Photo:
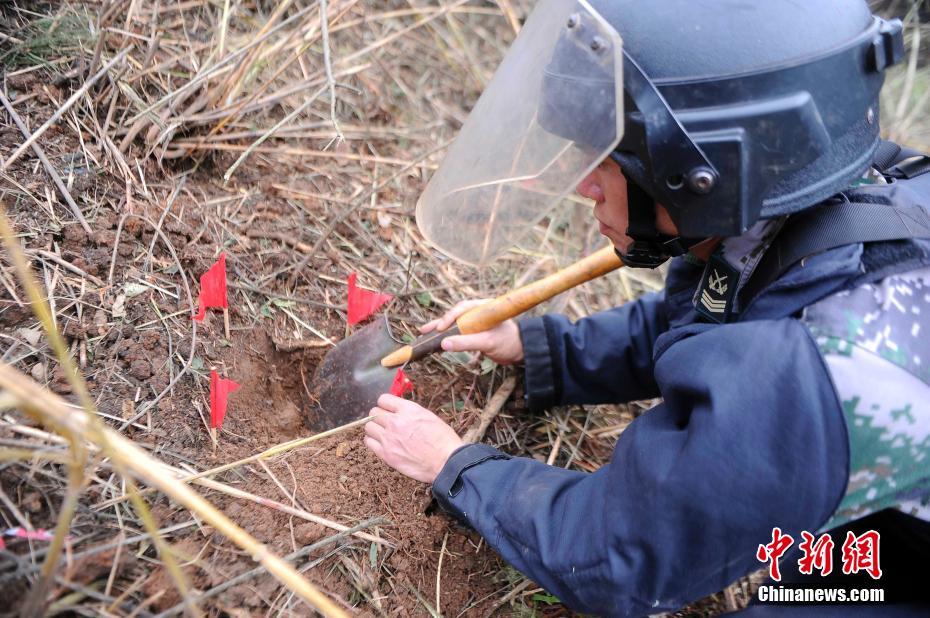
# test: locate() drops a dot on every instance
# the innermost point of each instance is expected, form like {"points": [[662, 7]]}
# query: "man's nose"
{"points": [[590, 187]]}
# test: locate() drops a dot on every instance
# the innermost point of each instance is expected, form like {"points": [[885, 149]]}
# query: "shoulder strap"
{"points": [[899, 162], [834, 225], [886, 155]]}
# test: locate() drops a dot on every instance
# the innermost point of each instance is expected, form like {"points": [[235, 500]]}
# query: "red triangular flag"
{"points": [[213, 288], [401, 385], [220, 389], [362, 303]]}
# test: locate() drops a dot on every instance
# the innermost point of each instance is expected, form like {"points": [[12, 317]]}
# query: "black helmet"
{"points": [[739, 111], [723, 112]]}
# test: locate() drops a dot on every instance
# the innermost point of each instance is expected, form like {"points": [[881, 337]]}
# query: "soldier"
{"points": [[791, 344]]}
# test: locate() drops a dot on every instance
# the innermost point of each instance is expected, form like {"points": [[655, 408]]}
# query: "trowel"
{"points": [[361, 368]]}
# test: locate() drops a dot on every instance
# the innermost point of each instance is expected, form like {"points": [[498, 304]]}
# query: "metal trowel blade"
{"points": [[350, 379]]}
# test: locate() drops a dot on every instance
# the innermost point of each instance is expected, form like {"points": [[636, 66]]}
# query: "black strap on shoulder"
{"points": [[835, 224], [886, 155], [899, 162], [830, 226]]}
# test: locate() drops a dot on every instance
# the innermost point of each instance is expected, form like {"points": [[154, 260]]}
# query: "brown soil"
{"points": [[337, 478], [127, 360]]}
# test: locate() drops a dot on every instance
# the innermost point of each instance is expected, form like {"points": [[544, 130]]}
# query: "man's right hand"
{"points": [[501, 344]]}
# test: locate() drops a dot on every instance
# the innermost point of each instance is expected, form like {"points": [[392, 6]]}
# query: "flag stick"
{"points": [[226, 323]]}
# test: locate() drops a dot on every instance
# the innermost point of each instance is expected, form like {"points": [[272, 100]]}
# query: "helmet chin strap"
{"points": [[650, 247]]}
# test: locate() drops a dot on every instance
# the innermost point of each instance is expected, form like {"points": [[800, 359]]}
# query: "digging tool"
{"points": [[358, 370]]}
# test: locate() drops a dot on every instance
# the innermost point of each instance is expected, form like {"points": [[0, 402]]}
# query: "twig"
{"points": [[24, 569], [361, 200], [64, 108], [296, 151], [271, 452], [48, 255], [510, 596], [491, 410], [224, 24], [300, 344], [62, 189], [292, 557], [327, 63], [507, 9], [287, 239], [442, 553], [13, 40], [220, 67], [245, 155], [284, 508]]}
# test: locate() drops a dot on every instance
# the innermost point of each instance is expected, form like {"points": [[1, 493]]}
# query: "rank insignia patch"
{"points": [[714, 299]]}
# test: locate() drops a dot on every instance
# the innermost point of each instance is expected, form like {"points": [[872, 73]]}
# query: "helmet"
{"points": [[724, 113]]}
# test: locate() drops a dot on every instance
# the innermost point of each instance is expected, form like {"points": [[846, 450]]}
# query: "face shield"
{"points": [[552, 112]]}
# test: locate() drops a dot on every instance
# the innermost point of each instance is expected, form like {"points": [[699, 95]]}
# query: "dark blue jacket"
{"points": [[750, 436]]}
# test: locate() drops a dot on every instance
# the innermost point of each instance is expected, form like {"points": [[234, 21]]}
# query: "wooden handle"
{"points": [[512, 304], [424, 345]]}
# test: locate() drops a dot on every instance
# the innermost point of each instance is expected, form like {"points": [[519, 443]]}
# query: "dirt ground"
{"points": [[132, 334], [337, 478]]}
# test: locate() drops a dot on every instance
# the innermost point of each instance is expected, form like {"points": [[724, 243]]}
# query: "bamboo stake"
{"points": [[226, 323], [52, 411]]}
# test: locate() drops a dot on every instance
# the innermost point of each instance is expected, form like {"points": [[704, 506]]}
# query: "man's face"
{"points": [[607, 187]]}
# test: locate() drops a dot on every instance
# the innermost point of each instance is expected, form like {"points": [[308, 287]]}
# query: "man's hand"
{"points": [[501, 344], [410, 438]]}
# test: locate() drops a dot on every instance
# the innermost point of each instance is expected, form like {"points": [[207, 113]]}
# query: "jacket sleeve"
{"points": [[603, 358], [750, 436]]}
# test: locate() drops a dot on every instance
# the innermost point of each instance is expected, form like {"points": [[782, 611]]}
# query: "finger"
{"points": [[453, 314], [378, 416], [374, 430], [390, 403], [478, 342], [374, 446], [429, 326]]}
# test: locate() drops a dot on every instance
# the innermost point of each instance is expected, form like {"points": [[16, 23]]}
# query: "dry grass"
{"points": [[143, 109]]}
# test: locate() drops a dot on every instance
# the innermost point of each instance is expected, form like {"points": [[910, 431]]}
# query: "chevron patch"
{"points": [[718, 289]]}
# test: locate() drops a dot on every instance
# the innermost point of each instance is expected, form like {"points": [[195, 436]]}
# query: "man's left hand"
{"points": [[410, 438]]}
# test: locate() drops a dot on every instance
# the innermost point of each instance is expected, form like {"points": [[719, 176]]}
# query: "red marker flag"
{"points": [[401, 385], [220, 389], [213, 288], [362, 303]]}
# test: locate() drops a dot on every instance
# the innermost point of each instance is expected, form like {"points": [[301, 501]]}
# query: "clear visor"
{"points": [[552, 112]]}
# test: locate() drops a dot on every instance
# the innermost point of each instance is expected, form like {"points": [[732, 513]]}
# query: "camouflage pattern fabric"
{"points": [[875, 340]]}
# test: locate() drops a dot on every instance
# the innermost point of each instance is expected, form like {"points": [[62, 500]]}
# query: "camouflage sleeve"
{"points": [[876, 341], [750, 436]]}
